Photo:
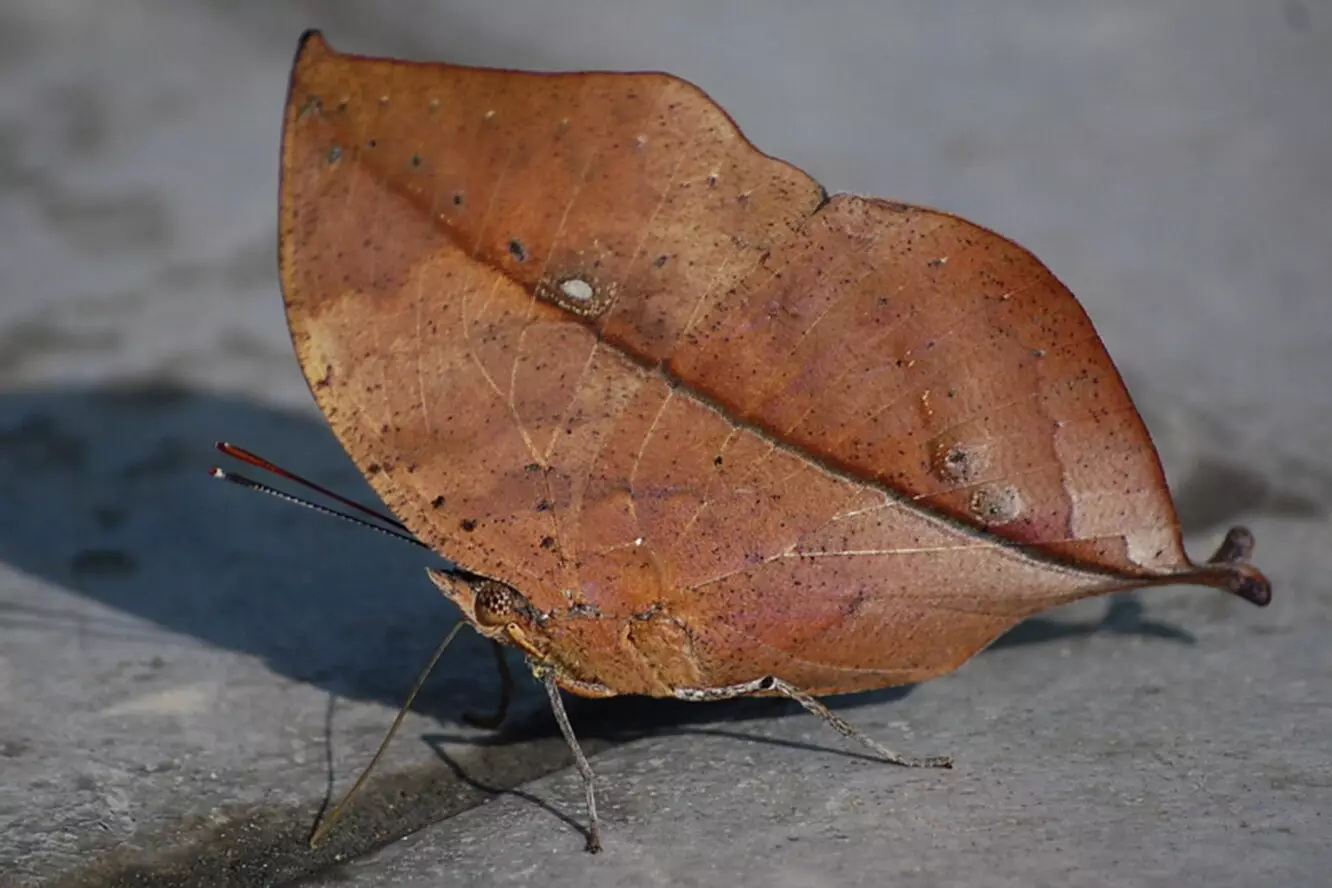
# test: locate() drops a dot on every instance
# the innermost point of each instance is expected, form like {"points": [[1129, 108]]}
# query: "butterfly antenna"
{"points": [[324, 826], [251, 484], [259, 462], [397, 530]]}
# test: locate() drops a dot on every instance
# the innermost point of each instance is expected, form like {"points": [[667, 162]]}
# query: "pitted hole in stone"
{"points": [[517, 250], [960, 462], [334, 154], [996, 504], [576, 294]]}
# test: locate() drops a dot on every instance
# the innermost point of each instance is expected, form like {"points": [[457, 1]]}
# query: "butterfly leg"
{"points": [[547, 676], [493, 720], [772, 685]]}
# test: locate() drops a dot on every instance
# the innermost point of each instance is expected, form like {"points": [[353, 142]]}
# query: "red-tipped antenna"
{"points": [[259, 462], [398, 530]]}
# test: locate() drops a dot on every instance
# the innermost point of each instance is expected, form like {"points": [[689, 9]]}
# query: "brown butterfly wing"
{"points": [[585, 339], [422, 203]]}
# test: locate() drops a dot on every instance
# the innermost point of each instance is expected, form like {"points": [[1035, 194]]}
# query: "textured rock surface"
{"points": [[182, 666]]}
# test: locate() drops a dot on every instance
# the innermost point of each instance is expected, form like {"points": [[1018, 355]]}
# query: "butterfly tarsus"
{"points": [[771, 684], [547, 677]]}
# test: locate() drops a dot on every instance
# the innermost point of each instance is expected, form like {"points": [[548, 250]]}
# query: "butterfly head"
{"points": [[496, 610]]}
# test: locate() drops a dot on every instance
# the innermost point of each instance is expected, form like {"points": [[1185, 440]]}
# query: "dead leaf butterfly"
{"points": [[690, 426]]}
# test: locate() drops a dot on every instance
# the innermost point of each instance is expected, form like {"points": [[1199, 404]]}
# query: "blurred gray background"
{"points": [[185, 668]]}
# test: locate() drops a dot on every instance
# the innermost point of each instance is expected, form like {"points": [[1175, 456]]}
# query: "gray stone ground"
{"points": [[184, 667]]}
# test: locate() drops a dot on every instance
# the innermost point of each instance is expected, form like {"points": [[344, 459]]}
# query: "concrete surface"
{"points": [[185, 667]]}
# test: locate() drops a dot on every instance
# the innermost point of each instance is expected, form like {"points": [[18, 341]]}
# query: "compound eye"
{"points": [[495, 604]]}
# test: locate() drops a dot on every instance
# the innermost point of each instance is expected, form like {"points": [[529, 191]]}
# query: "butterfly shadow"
{"points": [[107, 495]]}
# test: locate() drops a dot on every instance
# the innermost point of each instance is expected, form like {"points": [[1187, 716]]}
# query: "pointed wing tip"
{"points": [[1236, 575], [1253, 586], [311, 41], [310, 48]]}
